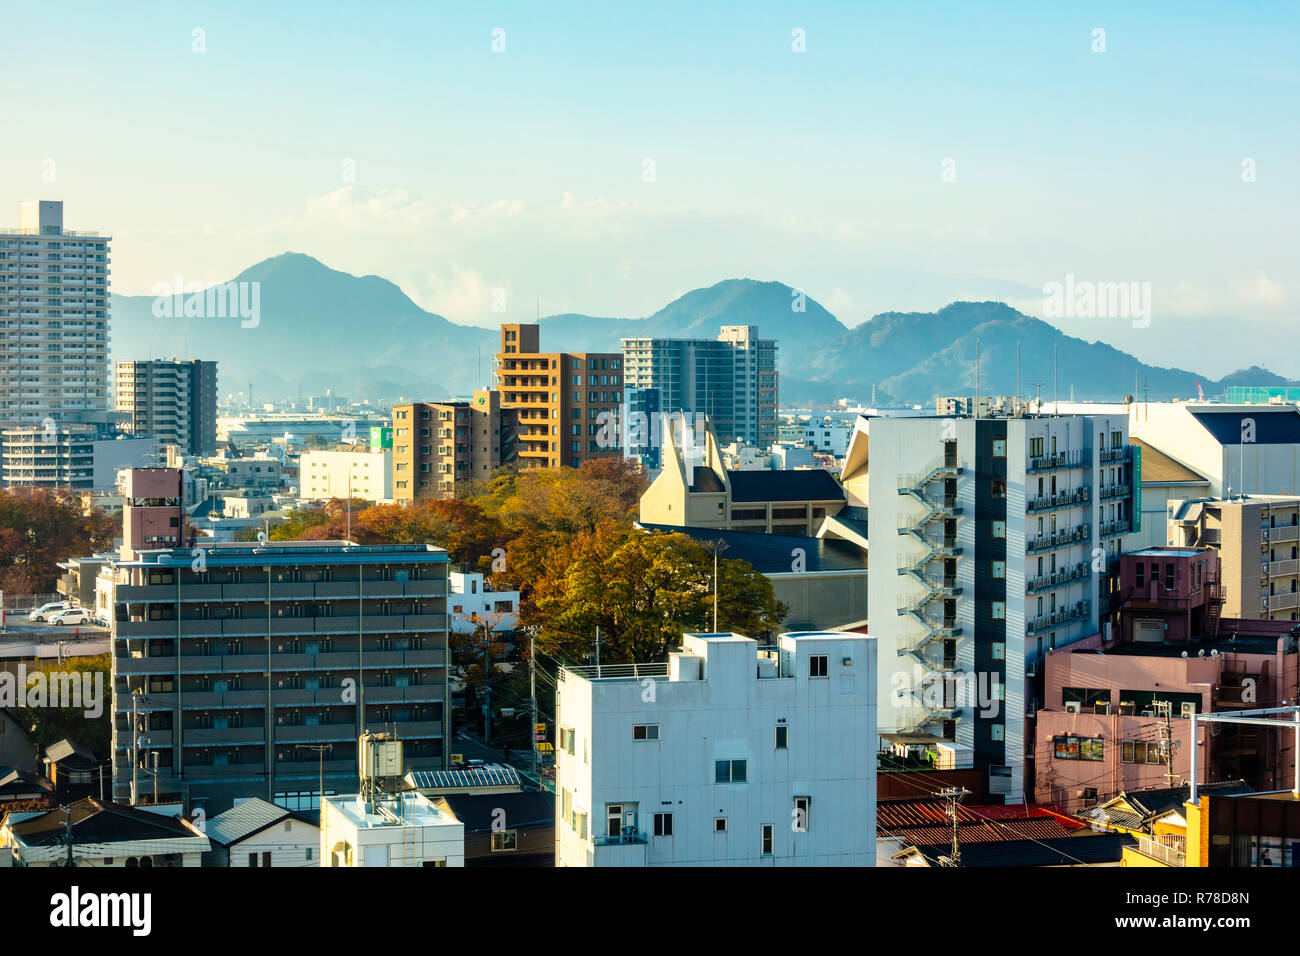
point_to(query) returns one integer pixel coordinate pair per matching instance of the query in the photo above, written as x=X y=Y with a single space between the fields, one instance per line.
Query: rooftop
x=772 y=553
x=812 y=484
x=417 y=810
x=290 y=552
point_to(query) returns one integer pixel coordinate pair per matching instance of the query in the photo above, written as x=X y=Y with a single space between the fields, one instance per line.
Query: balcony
x=1058 y=539
x=627 y=838
x=1062 y=499
x=1059 y=461
x=1168 y=849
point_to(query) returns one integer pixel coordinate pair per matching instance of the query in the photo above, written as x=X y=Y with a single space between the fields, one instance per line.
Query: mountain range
x=320 y=329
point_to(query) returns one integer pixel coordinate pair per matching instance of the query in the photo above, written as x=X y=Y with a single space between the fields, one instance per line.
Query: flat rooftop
x=417 y=811
x=1169 y=552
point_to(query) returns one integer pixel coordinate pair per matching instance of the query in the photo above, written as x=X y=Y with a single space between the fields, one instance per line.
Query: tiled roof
x=242 y=820
x=1159 y=467
x=95 y=821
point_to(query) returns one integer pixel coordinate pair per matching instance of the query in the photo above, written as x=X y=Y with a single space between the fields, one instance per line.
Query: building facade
x=731 y=379
x=235 y=663
x=174 y=401
x=728 y=755
x=53 y=320
x=439 y=446
x=994 y=540
x=1257 y=538
x=346 y=473
x=565 y=401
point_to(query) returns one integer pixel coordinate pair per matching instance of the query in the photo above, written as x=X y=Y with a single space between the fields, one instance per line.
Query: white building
x=77 y=456
x=473 y=601
x=53 y=320
x=360 y=472
x=727 y=755
x=255 y=833
x=406 y=829
x=831 y=437
x=993 y=541
x=789 y=457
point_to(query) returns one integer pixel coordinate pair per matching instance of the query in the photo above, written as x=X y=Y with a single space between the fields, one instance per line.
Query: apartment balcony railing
x=1043 y=582
x=1058 y=539
x=1118 y=526
x=621 y=839
x=1075 y=612
x=1116 y=454
x=1118 y=490
x=616 y=671
x=1059 y=461
x=1062 y=499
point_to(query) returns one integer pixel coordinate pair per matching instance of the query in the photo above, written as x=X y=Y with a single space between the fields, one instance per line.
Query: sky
x=609 y=158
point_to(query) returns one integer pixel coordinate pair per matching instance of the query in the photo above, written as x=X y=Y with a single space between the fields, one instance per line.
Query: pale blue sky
x=523 y=170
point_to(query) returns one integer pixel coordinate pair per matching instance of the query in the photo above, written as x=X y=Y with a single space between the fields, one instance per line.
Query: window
x=800 y=816
x=997 y=732
x=729 y=771
x=998 y=488
x=817 y=665
x=999 y=448
x=720 y=825
x=252 y=860
x=782 y=737
x=998 y=651
x=999 y=529
x=999 y=611
x=1071 y=747
x=769 y=834
x=999 y=569
x=503 y=841
x=567 y=740
x=663 y=824
x=645 y=732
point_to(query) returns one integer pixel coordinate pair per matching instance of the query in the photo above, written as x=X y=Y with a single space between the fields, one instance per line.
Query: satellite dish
x=261 y=537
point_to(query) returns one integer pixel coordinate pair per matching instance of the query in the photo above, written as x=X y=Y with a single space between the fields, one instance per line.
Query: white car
x=47 y=611
x=74 y=615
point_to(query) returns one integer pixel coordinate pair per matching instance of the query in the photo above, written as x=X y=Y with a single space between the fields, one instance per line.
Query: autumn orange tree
x=40 y=527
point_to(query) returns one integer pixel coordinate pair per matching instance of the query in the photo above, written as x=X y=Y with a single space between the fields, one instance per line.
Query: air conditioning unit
x=1073 y=707
x=1148 y=713
x=1188 y=708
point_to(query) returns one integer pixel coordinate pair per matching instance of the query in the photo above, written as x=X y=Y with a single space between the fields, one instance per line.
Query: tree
x=49 y=725
x=40 y=527
x=643 y=590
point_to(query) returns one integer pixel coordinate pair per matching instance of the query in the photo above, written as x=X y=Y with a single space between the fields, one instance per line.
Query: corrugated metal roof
x=463 y=780
x=242 y=819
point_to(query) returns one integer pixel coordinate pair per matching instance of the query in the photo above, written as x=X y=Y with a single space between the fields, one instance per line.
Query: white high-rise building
x=993 y=541
x=727 y=755
x=53 y=321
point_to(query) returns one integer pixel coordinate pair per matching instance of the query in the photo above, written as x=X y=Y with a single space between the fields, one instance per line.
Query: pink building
x=153 y=514
x=1102 y=725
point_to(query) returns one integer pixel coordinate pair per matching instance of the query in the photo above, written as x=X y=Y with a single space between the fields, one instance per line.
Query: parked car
x=75 y=615
x=46 y=611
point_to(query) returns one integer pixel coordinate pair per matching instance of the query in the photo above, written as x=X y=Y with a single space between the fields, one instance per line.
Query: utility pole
x=135 y=747
x=1163 y=708
x=532 y=689
x=320 y=764
x=717 y=546
x=597 y=650
x=954 y=796
x=67 y=834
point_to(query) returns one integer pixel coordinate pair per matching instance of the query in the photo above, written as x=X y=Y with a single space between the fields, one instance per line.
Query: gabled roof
x=1158 y=468
x=97 y=821
x=247 y=818
x=16 y=783
x=1134 y=809
x=811 y=484
x=72 y=755
x=1061 y=851
x=479 y=811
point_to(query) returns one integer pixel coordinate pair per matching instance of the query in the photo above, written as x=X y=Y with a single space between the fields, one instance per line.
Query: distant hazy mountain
x=364 y=338
x=318 y=328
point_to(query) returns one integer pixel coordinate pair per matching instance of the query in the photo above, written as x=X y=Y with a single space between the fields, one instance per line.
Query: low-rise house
x=255 y=833
x=505 y=829
x=103 y=834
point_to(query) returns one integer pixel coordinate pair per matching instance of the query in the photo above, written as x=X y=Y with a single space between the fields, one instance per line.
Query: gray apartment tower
x=250 y=670
x=174 y=401
x=732 y=379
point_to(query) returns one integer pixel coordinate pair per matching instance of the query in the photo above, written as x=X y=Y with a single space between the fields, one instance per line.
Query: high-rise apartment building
x=174 y=401
x=731 y=379
x=233 y=668
x=439 y=446
x=568 y=402
x=994 y=541
x=1258 y=540
x=53 y=320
